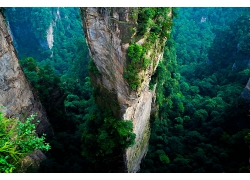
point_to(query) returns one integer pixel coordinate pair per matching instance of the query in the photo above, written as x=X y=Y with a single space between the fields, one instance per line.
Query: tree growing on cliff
x=105 y=139
x=17 y=140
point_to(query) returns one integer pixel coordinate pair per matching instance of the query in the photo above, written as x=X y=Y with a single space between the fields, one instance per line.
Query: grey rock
x=15 y=90
x=108 y=32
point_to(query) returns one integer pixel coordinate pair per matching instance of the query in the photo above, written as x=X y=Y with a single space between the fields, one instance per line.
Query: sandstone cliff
x=15 y=91
x=109 y=32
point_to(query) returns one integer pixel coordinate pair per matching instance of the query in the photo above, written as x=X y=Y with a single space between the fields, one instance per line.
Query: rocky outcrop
x=109 y=32
x=50 y=36
x=245 y=94
x=32 y=161
x=15 y=91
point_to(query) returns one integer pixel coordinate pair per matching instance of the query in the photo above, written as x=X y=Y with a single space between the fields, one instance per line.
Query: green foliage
x=163 y=157
x=112 y=134
x=200 y=115
x=105 y=138
x=146 y=63
x=135 y=53
x=145 y=16
x=30 y=35
x=247 y=139
x=92 y=68
x=18 y=139
x=153 y=37
x=200 y=123
x=154 y=24
x=42 y=79
x=201 y=128
x=193 y=37
x=167 y=89
x=67 y=99
x=39 y=23
x=115 y=133
x=155 y=20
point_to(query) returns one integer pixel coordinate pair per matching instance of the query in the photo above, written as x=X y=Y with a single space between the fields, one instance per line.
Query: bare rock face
x=109 y=32
x=15 y=91
x=31 y=161
x=245 y=94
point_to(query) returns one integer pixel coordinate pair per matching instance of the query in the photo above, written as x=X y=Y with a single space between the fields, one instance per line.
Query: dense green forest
x=87 y=138
x=202 y=123
x=199 y=123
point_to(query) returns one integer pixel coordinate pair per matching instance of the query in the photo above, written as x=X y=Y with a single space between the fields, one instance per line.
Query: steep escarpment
x=47 y=34
x=15 y=91
x=126 y=45
x=33 y=33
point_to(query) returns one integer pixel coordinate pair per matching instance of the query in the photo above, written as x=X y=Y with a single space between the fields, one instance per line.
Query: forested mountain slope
x=199 y=119
x=205 y=126
x=49 y=35
x=18 y=102
x=67 y=98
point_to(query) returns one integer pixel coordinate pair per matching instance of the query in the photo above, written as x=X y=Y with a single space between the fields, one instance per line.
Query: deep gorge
x=156 y=90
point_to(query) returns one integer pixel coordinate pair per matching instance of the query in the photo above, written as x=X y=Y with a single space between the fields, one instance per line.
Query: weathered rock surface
x=15 y=91
x=246 y=91
x=32 y=161
x=109 y=32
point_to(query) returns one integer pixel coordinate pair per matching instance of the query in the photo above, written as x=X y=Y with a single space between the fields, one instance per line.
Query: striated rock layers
x=15 y=91
x=109 y=32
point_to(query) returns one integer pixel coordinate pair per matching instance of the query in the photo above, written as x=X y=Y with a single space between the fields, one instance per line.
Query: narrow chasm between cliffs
x=124 y=90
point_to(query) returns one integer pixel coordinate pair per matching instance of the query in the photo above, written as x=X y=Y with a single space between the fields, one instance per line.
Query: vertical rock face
x=15 y=91
x=245 y=94
x=109 y=32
